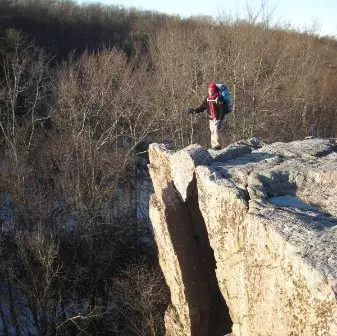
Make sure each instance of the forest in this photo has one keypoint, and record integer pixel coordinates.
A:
(84, 89)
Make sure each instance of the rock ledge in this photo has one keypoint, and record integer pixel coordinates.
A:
(247, 237)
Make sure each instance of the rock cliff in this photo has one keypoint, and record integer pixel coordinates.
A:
(247, 237)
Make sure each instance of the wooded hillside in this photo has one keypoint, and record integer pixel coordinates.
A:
(83, 91)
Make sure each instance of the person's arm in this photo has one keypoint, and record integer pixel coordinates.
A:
(221, 111)
(220, 114)
(202, 107)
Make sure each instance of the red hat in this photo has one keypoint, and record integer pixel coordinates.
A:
(212, 86)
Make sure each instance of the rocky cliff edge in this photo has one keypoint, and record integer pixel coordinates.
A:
(247, 237)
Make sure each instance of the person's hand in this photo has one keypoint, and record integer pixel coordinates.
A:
(218, 124)
(190, 110)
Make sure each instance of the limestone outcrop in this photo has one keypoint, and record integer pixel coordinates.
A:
(247, 237)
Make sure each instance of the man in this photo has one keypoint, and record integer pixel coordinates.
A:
(216, 108)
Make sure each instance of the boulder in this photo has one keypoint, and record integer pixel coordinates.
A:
(247, 237)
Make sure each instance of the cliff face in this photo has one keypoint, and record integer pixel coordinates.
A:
(247, 237)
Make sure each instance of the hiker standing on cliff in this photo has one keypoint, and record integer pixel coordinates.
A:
(218, 105)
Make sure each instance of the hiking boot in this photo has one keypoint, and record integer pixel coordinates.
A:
(217, 147)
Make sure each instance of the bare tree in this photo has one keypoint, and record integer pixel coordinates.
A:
(143, 298)
(22, 92)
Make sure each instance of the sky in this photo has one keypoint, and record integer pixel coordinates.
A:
(299, 14)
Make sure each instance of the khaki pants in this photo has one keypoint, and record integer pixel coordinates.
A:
(215, 134)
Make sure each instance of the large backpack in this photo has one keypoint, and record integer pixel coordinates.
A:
(224, 92)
